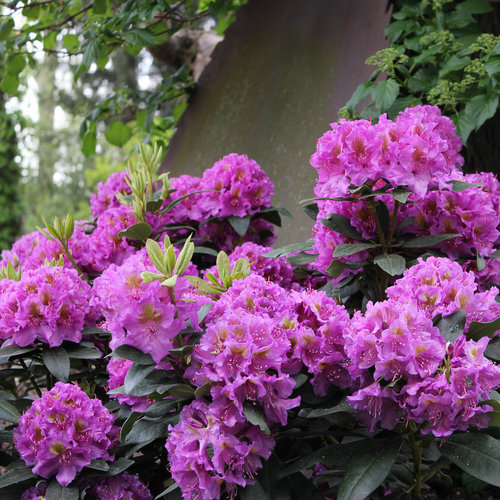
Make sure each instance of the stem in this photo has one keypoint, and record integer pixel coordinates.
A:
(377, 225)
(32, 378)
(416, 450)
(363, 289)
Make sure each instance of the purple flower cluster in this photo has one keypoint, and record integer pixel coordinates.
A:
(143, 315)
(419, 147)
(48, 303)
(214, 447)
(64, 431)
(440, 286)
(106, 193)
(124, 486)
(404, 369)
(35, 492)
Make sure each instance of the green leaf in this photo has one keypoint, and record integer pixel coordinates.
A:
(13, 350)
(463, 124)
(49, 40)
(480, 108)
(311, 210)
(459, 186)
(92, 52)
(161, 408)
(138, 231)
(148, 430)
(335, 268)
(203, 390)
(255, 416)
(57, 492)
(140, 36)
(89, 142)
(127, 425)
(9, 412)
(478, 330)
(70, 41)
(452, 326)
(343, 406)
(9, 83)
(239, 224)
(133, 354)
(428, 241)
(401, 194)
(360, 94)
(15, 476)
(301, 259)
(392, 264)
(341, 224)
(119, 466)
(495, 414)
(98, 464)
(181, 391)
(135, 375)
(346, 249)
(288, 249)
(492, 66)
(56, 360)
(118, 134)
(492, 351)
(455, 63)
(474, 7)
(15, 64)
(385, 94)
(6, 28)
(475, 453)
(100, 7)
(367, 469)
(78, 352)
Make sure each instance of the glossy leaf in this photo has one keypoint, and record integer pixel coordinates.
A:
(392, 264)
(9, 412)
(56, 360)
(133, 354)
(483, 329)
(288, 249)
(475, 453)
(341, 224)
(367, 469)
(255, 416)
(452, 326)
(135, 375)
(346, 249)
(138, 231)
(57, 492)
(385, 94)
(428, 241)
(239, 224)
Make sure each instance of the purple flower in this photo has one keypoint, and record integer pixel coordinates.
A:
(124, 486)
(64, 431)
(35, 492)
(106, 193)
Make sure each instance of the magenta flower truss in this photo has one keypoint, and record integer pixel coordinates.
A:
(440, 286)
(240, 187)
(416, 150)
(124, 486)
(48, 303)
(35, 492)
(211, 451)
(106, 193)
(144, 315)
(404, 369)
(117, 369)
(64, 431)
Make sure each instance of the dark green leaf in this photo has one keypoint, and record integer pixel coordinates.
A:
(311, 210)
(463, 124)
(383, 216)
(56, 360)
(182, 391)
(495, 414)
(140, 36)
(161, 408)
(9, 412)
(480, 108)
(206, 251)
(135, 375)
(452, 326)
(474, 7)
(288, 249)
(91, 53)
(203, 390)
(100, 7)
(119, 466)
(239, 224)
(335, 268)
(15, 64)
(367, 469)
(89, 142)
(385, 94)
(9, 83)
(83, 353)
(346, 249)
(478, 330)
(493, 349)
(428, 241)
(392, 264)
(343, 406)
(118, 134)
(57, 492)
(480, 262)
(15, 476)
(255, 416)
(147, 430)
(360, 94)
(98, 464)
(401, 194)
(341, 224)
(494, 255)
(203, 311)
(492, 66)
(6, 28)
(475, 453)
(173, 487)
(13, 350)
(138, 231)
(127, 425)
(301, 258)
(133, 354)
(455, 63)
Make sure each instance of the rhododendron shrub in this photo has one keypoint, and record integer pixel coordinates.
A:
(164, 349)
